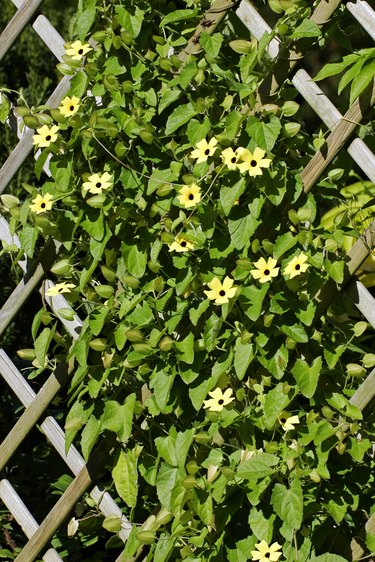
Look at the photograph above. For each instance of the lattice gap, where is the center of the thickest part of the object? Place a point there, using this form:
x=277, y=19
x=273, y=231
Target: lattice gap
x=341, y=127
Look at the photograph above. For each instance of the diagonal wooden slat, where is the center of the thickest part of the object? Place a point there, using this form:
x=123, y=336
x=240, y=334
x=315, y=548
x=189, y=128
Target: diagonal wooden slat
x=17, y=24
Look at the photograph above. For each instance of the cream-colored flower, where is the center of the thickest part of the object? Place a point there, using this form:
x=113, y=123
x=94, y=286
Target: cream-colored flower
x=221, y=292
x=189, y=195
x=77, y=50
x=45, y=136
x=69, y=106
x=265, y=553
x=96, y=183
x=265, y=270
x=218, y=399
x=287, y=421
x=180, y=245
x=230, y=158
x=41, y=203
x=204, y=149
x=59, y=288
x=296, y=266
x=252, y=162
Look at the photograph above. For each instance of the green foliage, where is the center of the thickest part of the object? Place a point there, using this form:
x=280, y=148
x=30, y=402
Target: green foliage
x=194, y=257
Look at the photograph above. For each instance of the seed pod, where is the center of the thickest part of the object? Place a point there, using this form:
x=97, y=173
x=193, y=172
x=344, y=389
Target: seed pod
x=108, y=274
x=44, y=118
x=192, y=467
x=112, y=523
x=134, y=335
x=228, y=472
x=10, y=201
x=189, y=482
x=61, y=267
x=166, y=343
x=66, y=313
x=31, y=122
x=244, y=263
x=133, y=282
x=142, y=348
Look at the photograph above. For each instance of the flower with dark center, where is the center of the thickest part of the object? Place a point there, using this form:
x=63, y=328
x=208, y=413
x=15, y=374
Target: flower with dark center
x=204, y=149
x=45, y=136
x=252, y=162
x=265, y=270
x=296, y=266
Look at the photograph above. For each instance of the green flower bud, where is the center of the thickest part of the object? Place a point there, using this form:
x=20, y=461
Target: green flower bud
x=134, y=335
x=228, y=472
x=154, y=266
x=142, y=348
x=165, y=64
x=61, y=267
x=66, y=313
x=44, y=119
x=127, y=38
x=98, y=344
x=146, y=537
x=192, y=467
x=146, y=136
x=112, y=523
x=163, y=517
x=110, y=82
x=105, y=291
x=31, y=122
x=133, y=282
x=100, y=36
x=241, y=46
x=189, y=482
x=10, y=201
x=291, y=129
x=202, y=437
x=354, y=370
x=164, y=189
x=290, y=108
x=166, y=343
x=244, y=263
x=120, y=149
x=26, y=354
x=108, y=274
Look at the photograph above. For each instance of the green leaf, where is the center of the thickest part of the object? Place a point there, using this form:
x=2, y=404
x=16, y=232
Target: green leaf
x=292, y=506
x=242, y=229
x=97, y=320
x=203, y=507
x=211, y=331
x=78, y=84
x=84, y=22
x=164, y=547
x=283, y=243
x=4, y=108
x=261, y=526
x=187, y=74
x=166, y=481
x=89, y=436
x=334, y=68
x=362, y=80
x=307, y=28
x=264, y=134
x=350, y=74
x=258, y=466
x=167, y=98
x=118, y=417
x=179, y=116
x=185, y=349
x=178, y=15
x=337, y=509
x=211, y=44
x=243, y=356
x=135, y=260
x=125, y=477
x=275, y=401
x=197, y=131
x=328, y=558
x=28, y=237
x=370, y=541
x=131, y=22
x=42, y=344
x=229, y=195
x=255, y=297
x=161, y=383
x=335, y=270
x=307, y=377
x=358, y=448
x=296, y=332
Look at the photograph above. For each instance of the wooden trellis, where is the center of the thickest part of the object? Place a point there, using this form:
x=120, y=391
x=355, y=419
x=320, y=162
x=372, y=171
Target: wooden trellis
x=341, y=129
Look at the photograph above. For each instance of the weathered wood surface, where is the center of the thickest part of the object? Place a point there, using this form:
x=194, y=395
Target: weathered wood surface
x=17, y=24
x=23, y=516
x=364, y=14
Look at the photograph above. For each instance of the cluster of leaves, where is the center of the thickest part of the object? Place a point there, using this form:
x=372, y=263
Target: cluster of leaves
x=203, y=484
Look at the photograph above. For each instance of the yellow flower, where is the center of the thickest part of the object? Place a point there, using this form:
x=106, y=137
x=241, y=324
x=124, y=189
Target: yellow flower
x=296, y=266
x=77, y=50
x=189, y=195
x=97, y=182
x=46, y=135
x=41, y=203
x=287, y=421
x=265, y=553
x=69, y=106
x=218, y=399
x=221, y=292
x=59, y=288
x=252, y=162
x=265, y=270
x=204, y=149
x=230, y=158
x=180, y=245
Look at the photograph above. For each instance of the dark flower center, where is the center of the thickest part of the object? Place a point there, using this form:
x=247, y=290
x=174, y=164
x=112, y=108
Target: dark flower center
x=267, y=555
x=253, y=163
x=233, y=159
x=183, y=243
x=297, y=266
x=222, y=293
x=191, y=197
x=207, y=151
x=42, y=205
x=60, y=289
x=282, y=420
x=98, y=184
x=80, y=52
x=220, y=402
x=48, y=137
x=266, y=272
x=71, y=108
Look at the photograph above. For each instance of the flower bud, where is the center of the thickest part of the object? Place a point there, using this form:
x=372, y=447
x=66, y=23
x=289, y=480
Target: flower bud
x=355, y=370
x=189, y=482
x=192, y=467
x=10, y=201
x=291, y=129
x=112, y=523
x=228, y=472
x=61, y=267
x=66, y=313
x=26, y=354
x=166, y=343
x=105, y=291
x=142, y=348
x=98, y=344
x=31, y=121
x=108, y=274
x=212, y=472
x=134, y=335
x=96, y=201
x=133, y=282
x=146, y=537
